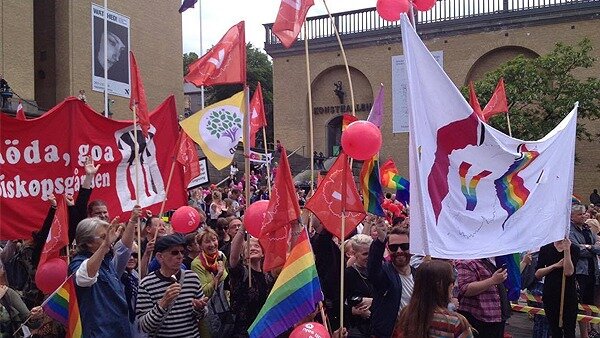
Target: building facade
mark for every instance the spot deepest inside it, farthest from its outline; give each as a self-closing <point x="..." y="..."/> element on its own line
<point x="472" y="41"/>
<point x="49" y="49"/>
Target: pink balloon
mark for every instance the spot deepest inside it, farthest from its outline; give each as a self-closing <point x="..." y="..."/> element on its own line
<point x="185" y="219"/>
<point x="254" y="216"/>
<point x="390" y="10"/>
<point x="50" y="275"/>
<point x="361" y="140"/>
<point x="310" y="330"/>
<point x="424" y="5"/>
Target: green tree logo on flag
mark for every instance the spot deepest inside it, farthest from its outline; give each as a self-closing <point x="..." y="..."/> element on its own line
<point x="224" y="123"/>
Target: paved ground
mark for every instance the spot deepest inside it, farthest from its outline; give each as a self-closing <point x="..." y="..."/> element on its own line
<point x="520" y="326"/>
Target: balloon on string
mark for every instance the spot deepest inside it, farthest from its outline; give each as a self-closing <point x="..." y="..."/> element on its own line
<point x="310" y="330"/>
<point x="390" y="10"/>
<point x="254" y="217"/>
<point x="185" y="219"/>
<point x="424" y="5"/>
<point x="361" y="140"/>
<point x="50" y="275"/>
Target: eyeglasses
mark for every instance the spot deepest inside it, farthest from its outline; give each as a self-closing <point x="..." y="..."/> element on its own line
<point x="402" y="246"/>
<point x="177" y="252"/>
<point x="103" y="237"/>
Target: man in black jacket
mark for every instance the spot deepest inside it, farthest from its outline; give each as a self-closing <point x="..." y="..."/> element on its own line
<point x="392" y="280"/>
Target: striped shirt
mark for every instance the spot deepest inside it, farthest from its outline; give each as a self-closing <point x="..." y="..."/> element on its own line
<point x="180" y="319"/>
<point x="484" y="306"/>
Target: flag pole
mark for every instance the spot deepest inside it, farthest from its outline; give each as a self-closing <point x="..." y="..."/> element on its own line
<point x="310" y="116"/>
<point x="137" y="182"/>
<point x="246" y="139"/>
<point x="264" y="132"/>
<point x="164" y="202"/>
<point x="201" y="49"/>
<point x="510" y="134"/>
<point x="106" y="60"/>
<point x="342" y="246"/>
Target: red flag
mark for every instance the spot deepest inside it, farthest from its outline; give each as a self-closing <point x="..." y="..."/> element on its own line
<point x="473" y="101"/>
<point x="187" y="155"/>
<point x="138" y="96"/>
<point x="290" y="18"/>
<point x="257" y="114"/>
<point x="327" y="201"/>
<point x="347" y="119"/>
<point x="498" y="104"/>
<point x="58" y="237"/>
<point x="224" y="63"/>
<point x="283" y="209"/>
<point x="20" y="112"/>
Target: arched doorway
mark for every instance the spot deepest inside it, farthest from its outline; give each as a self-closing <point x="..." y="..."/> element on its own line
<point x="334" y="136"/>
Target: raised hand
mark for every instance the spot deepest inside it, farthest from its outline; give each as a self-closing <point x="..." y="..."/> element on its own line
<point x="52" y="200"/>
<point x="170" y="294"/>
<point x="499" y="276"/>
<point x="69" y="200"/>
<point x="90" y="169"/>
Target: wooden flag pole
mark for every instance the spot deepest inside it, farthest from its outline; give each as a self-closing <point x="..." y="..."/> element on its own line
<point x="342" y="246"/>
<point x="246" y="141"/>
<point x="509" y="129"/>
<point x="310" y="116"/>
<point x="264" y="132"/>
<point x="562" y="298"/>
<point x="137" y="183"/>
<point x="164" y="202"/>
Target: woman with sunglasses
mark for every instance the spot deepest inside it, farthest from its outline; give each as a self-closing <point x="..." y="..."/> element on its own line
<point x="427" y="314"/>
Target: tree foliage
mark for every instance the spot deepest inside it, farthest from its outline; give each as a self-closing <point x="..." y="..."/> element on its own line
<point x="188" y="58"/>
<point x="543" y="90"/>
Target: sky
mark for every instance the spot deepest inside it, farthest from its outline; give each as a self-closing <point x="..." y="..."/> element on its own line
<point x="219" y="15"/>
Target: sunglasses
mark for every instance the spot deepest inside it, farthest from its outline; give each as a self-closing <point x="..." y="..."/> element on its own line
<point x="177" y="252"/>
<point x="394" y="247"/>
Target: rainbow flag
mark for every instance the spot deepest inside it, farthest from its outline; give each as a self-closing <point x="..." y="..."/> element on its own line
<point x="347" y="119"/>
<point x="62" y="306"/>
<point x="390" y="177"/>
<point x="371" y="187"/>
<point x="575" y="199"/>
<point x="513" y="268"/>
<point x="294" y="295"/>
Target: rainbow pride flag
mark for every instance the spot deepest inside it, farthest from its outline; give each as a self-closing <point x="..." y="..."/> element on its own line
<point x="512" y="283"/>
<point x="62" y="306"/>
<point x="371" y="187"/>
<point x="294" y="295"/>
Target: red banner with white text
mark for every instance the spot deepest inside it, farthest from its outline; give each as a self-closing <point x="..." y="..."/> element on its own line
<point x="46" y="156"/>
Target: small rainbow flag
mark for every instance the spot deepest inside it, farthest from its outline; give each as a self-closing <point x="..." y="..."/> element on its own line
<point x="294" y="295"/>
<point x="371" y="187"/>
<point x="62" y="306"/>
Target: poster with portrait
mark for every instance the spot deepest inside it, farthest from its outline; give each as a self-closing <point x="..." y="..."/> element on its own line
<point x="203" y="177"/>
<point x="118" y="46"/>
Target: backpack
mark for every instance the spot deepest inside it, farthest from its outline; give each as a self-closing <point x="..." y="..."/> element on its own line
<point x="18" y="272"/>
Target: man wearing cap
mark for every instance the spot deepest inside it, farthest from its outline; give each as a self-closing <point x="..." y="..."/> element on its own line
<point x="170" y="301"/>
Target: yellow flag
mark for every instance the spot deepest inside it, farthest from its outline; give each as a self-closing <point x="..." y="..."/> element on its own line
<point x="218" y="129"/>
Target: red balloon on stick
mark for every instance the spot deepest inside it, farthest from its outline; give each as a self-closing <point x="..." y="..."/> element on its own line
<point x="424" y="5"/>
<point x="361" y="140"/>
<point x="390" y="10"/>
<point x="310" y="330"/>
<point x="185" y="219"/>
<point x="50" y="275"/>
<point x="254" y="217"/>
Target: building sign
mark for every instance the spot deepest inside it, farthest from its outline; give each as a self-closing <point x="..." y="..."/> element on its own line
<point x="203" y="178"/>
<point x="399" y="91"/>
<point x="117" y="58"/>
<point x="343" y="108"/>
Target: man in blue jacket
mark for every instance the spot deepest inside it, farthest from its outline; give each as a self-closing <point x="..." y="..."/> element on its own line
<point x="392" y="280"/>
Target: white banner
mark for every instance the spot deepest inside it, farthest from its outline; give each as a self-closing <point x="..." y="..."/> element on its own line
<point x="117" y="59"/>
<point x="203" y="177"/>
<point x="260" y="157"/>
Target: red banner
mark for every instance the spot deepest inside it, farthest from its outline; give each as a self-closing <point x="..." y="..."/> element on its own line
<point x="46" y="156"/>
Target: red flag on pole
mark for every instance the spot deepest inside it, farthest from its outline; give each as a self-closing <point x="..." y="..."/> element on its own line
<point x="473" y="101"/>
<point x="290" y="18"/>
<point x="138" y="96"/>
<point x="187" y="155"/>
<point x="58" y="236"/>
<point x="326" y="203"/>
<point x="20" y="112"/>
<point x="257" y="114"/>
<point x="498" y="104"/>
<point x="283" y="209"/>
<point x="225" y="63"/>
<point x="347" y="119"/>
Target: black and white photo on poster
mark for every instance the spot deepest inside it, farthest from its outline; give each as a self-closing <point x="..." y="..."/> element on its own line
<point x="118" y="46"/>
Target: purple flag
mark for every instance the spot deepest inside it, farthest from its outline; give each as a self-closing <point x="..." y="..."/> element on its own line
<point x="187" y="4"/>
<point x="376" y="114"/>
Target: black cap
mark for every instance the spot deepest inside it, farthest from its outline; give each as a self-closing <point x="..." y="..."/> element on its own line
<point x="165" y="242"/>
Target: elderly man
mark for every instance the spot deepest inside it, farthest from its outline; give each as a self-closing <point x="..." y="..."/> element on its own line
<point x="170" y="302"/>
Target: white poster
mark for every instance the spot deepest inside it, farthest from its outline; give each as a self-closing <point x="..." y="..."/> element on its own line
<point x="399" y="92"/>
<point x="203" y="177"/>
<point x="118" y="46"/>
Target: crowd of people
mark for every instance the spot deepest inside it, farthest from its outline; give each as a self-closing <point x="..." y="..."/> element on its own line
<point x="210" y="282"/>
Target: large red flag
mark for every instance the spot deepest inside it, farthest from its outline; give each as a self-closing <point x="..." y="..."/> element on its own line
<point x="498" y="103"/>
<point x="327" y="202"/>
<point x="224" y="63"/>
<point x="20" y="112"/>
<point x="187" y="155"/>
<point x="290" y="18"/>
<point x="473" y="101"/>
<point x="257" y="114"/>
<point x="58" y="236"/>
<point x="138" y="96"/>
<point x="283" y="209"/>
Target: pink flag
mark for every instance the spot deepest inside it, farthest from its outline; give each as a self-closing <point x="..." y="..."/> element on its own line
<point x="376" y="114"/>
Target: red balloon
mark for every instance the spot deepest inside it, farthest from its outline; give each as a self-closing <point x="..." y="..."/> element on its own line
<point x="254" y="217"/>
<point x="185" y="219"/>
<point x="310" y="330"/>
<point x="390" y="10"/>
<point x="361" y="140"/>
<point x="50" y="275"/>
<point x="424" y="5"/>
